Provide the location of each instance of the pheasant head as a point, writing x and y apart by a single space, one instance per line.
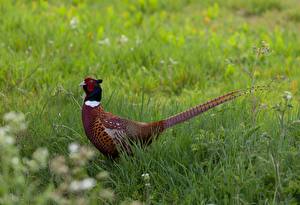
92 89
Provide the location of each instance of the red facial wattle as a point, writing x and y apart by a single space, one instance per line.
90 87
90 84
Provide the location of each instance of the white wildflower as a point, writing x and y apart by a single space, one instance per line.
146 177
107 194
123 39
41 157
104 41
15 161
31 164
80 154
73 147
22 126
88 183
74 22
86 153
9 140
4 131
16 121
14 117
58 165
103 175
85 184
287 95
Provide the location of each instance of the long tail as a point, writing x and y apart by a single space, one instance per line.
197 110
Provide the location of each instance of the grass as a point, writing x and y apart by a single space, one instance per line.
178 54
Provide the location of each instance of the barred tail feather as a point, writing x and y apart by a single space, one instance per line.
197 110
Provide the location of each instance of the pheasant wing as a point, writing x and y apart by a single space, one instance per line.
116 128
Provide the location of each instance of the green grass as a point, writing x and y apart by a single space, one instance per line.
178 54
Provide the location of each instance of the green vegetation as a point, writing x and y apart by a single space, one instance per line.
156 58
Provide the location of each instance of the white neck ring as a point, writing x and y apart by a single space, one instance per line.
92 103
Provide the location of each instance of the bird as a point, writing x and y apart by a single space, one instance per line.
112 134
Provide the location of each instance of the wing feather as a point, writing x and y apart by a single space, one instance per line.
116 128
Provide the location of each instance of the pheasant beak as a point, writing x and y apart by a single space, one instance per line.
82 84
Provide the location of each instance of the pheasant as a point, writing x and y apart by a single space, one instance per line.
111 134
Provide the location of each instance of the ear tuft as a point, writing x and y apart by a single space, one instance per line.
99 81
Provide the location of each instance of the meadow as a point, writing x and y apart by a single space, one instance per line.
156 58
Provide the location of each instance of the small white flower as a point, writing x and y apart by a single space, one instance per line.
85 184
87 152
16 122
288 95
14 117
9 140
15 161
73 147
3 131
31 164
88 183
146 176
104 41
107 194
41 157
22 126
58 165
123 39
103 175
75 186
74 22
